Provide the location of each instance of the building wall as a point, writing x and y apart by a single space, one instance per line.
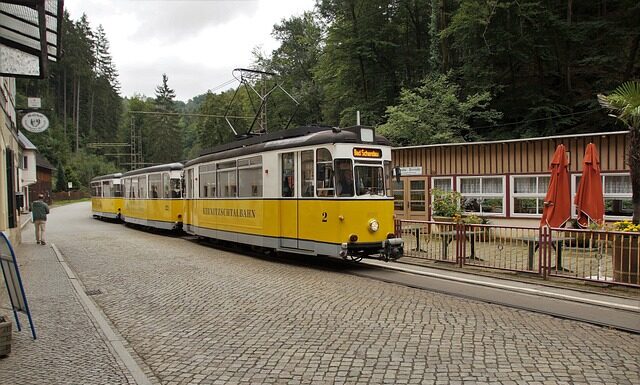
521 157
505 159
9 144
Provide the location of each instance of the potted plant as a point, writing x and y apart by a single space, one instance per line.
626 253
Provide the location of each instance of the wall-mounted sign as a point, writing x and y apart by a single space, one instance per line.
35 122
410 171
34 103
360 152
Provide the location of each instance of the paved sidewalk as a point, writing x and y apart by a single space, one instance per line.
69 348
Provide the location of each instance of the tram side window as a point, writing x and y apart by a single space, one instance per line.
250 177
155 188
142 187
306 168
344 178
190 183
166 189
324 175
207 180
227 186
94 189
127 188
134 188
176 187
117 190
288 175
106 189
388 177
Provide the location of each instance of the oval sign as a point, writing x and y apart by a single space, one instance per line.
35 122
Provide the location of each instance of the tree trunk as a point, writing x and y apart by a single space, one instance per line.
568 45
634 165
78 116
91 116
360 59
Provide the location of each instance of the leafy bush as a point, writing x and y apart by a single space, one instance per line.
445 203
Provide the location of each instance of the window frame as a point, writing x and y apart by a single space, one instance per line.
513 194
603 175
484 195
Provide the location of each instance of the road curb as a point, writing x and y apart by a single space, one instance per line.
503 286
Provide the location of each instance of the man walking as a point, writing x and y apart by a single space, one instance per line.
39 211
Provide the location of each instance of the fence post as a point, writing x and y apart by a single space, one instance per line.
460 243
542 251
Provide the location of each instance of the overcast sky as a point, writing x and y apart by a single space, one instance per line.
197 43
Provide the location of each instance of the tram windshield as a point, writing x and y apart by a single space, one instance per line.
369 180
344 178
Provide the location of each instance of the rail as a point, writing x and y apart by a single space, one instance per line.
590 255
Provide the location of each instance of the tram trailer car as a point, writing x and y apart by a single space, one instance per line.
153 196
310 190
106 196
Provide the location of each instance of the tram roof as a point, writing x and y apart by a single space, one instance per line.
108 176
157 168
296 137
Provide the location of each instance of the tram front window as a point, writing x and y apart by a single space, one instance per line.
344 177
369 180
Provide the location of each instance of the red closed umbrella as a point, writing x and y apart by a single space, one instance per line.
557 202
589 198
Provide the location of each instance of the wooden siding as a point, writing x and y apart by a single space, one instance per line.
518 157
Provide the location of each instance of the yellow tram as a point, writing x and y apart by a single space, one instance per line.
106 196
310 190
153 196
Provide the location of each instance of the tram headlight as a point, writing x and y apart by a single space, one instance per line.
374 225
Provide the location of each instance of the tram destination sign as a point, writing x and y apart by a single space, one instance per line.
361 152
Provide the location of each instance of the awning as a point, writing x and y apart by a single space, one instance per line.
30 33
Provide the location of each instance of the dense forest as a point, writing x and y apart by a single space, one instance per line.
422 71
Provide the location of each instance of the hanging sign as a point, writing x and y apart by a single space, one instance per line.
34 103
35 122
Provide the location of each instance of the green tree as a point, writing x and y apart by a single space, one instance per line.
624 102
436 112
163 137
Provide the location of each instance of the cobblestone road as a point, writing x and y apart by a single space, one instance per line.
69 348
194 314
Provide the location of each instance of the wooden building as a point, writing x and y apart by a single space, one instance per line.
506 181
44 177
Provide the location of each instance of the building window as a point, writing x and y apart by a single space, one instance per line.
527 194
482 195
442 183
616 189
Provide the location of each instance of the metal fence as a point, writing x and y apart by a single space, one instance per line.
602 256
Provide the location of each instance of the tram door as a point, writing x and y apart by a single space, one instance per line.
288 202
